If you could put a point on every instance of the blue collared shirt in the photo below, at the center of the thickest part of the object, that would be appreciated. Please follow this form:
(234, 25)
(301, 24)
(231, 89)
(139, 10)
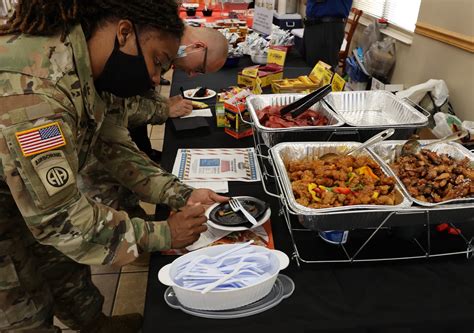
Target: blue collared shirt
(331, 8)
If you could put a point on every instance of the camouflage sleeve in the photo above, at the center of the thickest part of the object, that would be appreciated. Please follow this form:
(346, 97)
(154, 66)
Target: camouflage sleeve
(150, 109)
(131, 167)
(42, 180)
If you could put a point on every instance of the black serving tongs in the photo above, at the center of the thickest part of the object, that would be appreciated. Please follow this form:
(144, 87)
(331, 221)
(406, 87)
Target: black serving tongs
(301, 105)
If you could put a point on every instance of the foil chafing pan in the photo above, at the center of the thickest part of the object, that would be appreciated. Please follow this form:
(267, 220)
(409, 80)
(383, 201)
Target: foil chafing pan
(375, 108)
(272, 136)
(367, 113)
(389, 151)
(282, 153)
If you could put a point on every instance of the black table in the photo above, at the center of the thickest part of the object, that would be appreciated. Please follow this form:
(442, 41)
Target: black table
(435, 295)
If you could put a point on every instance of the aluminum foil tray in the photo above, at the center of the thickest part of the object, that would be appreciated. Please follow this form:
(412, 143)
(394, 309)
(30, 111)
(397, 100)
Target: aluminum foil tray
(284, 152)
(388, 151)
(375, 108)
(272, 136)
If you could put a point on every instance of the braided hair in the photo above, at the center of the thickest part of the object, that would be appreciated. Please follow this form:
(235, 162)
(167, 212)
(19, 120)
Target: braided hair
(51, 17)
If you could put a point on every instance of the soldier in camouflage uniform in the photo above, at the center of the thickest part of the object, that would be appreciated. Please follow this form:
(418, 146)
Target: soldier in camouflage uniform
(51, 120)
(204, 51)
(102, 186)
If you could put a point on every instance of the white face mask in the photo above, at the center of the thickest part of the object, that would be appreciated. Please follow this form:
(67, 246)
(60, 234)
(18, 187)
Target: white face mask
(182, 51)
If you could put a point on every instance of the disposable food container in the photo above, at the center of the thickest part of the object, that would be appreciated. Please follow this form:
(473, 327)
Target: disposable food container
(375, 108)
(222, 299)
(272, 136)
(389, 151)
(345, 217)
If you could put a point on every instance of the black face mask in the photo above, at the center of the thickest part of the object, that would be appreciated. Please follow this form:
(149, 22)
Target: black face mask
(125, 75)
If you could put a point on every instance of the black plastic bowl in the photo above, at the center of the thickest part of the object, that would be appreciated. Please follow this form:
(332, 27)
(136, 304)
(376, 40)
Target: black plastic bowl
(207, 12)
(191, 11)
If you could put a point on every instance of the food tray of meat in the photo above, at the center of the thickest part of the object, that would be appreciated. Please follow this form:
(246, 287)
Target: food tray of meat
(314, 186)
(440, 174)
(317, 123)
(375, 108)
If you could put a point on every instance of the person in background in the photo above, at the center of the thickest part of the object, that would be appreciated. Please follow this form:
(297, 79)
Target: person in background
(202, 50)
(324, 30)
(55, 59)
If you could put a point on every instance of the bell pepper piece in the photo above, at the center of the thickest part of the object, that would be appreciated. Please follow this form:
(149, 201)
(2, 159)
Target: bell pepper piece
(342, 190)
(312, 187)
(365, 170)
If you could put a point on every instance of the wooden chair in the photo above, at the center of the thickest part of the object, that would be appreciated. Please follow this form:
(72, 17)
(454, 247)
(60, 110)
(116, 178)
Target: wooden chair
(350, 28)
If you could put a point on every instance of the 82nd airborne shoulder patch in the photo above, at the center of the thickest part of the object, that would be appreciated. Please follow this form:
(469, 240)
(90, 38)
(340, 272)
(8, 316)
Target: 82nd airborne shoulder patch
(54, 171)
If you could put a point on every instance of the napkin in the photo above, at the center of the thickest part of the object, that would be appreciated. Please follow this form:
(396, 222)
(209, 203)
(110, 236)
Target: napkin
(186, 124)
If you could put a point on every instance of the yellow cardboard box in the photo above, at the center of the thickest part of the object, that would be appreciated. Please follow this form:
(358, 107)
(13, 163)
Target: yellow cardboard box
(321, 75)
(268, 73)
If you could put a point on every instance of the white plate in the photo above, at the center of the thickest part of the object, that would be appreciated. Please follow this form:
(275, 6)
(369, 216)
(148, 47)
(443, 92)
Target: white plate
(264, 219)
(189, 93)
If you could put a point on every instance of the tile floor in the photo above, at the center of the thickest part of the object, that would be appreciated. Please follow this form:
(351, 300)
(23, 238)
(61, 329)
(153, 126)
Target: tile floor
(124, 288)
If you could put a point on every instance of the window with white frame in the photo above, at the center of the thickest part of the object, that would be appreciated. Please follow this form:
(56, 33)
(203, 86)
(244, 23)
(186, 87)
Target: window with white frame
(402, 13)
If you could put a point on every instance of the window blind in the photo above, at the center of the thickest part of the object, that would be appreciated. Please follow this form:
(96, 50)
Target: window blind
(402, 13)
(371, 7)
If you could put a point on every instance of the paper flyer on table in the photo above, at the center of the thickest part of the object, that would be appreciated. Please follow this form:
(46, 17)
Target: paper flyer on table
(262, 236)
(218, 187)
(216, 165)
(199, 113)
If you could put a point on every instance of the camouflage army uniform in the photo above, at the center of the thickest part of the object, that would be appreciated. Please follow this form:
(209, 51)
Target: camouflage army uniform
(47, 92)
(97, 183)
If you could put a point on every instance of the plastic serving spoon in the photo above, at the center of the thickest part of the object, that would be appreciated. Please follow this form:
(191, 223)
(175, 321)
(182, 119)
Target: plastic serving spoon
(373, 140)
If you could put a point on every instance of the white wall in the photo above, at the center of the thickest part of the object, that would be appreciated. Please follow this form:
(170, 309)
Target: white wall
(429, 59)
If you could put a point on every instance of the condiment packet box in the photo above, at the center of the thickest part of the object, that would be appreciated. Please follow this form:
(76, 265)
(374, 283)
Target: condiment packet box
(319, 76)
(235, 108)
(268, 73)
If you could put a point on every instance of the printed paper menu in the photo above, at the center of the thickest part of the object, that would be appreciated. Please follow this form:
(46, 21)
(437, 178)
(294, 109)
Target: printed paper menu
(216, 165)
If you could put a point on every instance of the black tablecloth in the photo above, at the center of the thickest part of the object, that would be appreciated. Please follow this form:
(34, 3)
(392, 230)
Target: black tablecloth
(434, 295)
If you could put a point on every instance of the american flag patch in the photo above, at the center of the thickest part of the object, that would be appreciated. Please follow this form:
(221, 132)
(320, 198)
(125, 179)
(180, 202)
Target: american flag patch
(40, 139)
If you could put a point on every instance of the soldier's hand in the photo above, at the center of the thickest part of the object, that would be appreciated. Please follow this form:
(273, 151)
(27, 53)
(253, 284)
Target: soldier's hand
(186, 226)
(206, 197)
(180, 107)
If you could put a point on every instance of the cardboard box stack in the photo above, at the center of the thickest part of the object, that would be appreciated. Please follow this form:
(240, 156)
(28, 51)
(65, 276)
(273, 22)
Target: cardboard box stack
(272, 71)
(321, 75)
